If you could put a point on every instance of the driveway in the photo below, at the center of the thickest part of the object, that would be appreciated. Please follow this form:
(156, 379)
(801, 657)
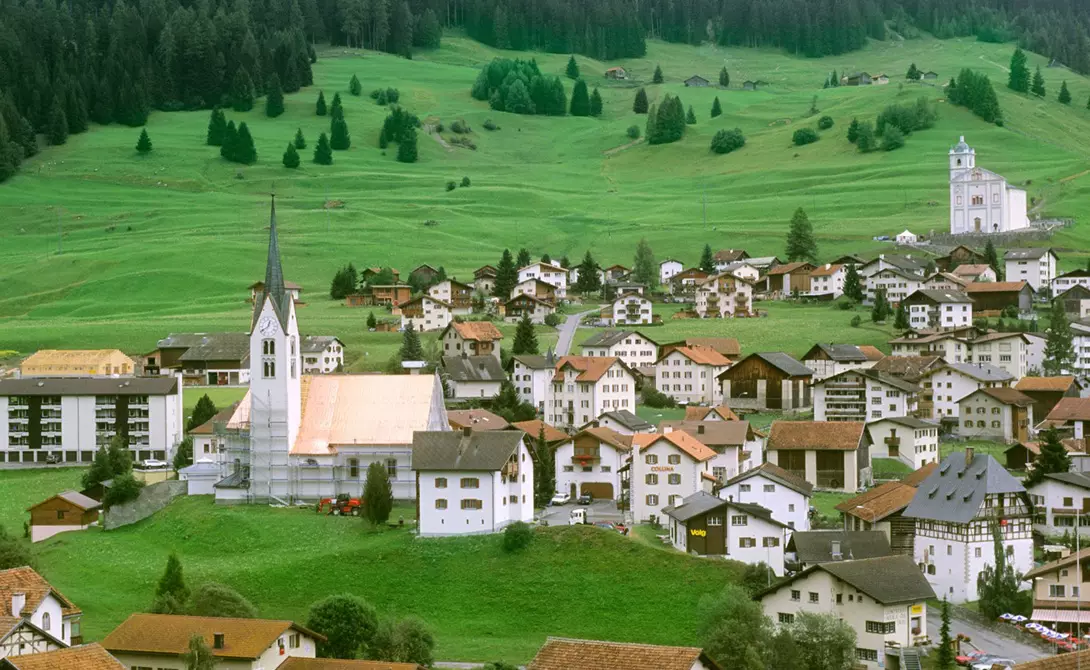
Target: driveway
(567, 331)
(599, 510)
(986, 639)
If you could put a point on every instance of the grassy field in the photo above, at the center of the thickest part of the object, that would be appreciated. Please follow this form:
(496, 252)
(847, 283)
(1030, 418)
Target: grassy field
(19, 489)
(169, 241)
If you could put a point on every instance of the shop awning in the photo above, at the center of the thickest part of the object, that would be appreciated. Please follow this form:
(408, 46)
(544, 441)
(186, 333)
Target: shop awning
(1061, 616)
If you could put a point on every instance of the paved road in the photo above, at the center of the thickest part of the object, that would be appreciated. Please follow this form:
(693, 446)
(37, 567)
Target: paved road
(599, 510)
(985, 639)
(567, 331)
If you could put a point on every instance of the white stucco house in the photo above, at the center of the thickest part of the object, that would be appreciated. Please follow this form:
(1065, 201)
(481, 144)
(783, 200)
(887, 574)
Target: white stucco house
(982, 201)
(912, 441)
(633, 347)
(585, 387)
(532, 375)
(591, 461)
(688, 374)
(426, 313)
(897, 284)
(1035, 266)
(706, 525)
(322, 354)
(863, 395)
(548, 273)
(666, 469)
(1061, 504)
(26, 595)
(786, 495)
(945, 386)
(630, 309)
(668, 268)
(827, 281)
(939, 310)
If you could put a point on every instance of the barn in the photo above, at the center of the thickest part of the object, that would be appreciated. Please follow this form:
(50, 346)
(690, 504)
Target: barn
(767, 381)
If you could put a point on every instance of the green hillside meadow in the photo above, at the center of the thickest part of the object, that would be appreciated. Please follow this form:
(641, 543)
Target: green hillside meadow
(169, 241)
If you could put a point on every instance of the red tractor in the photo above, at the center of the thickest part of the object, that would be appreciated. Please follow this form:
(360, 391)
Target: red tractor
(342, 505)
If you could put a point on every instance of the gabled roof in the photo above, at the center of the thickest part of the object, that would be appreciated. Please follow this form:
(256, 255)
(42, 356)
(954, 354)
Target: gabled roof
(879, 502)
(701, 355)
(608, 338)
(697, 413)
(524, 297)
(996, 287)
(1027, 254)
(477, 331)
(688, 444)
(464, 368)
(730, 255)
(702, 502)
(477, 419)
(970, 269)
(536, 362)
(422, 297)
(566, 654)
(938, 296)
(777, 474)
(879, 377)
(728, 346)
(1080, 272)
(591, 368)
(788, 268)
(1053, 566)
(909, 368)
(713, 433)
(906, 421)
(209, 427)
(1079, 479)
(316, 344)
(816, 546)
(628, 420)
(816, 435)
(1070, 409)
(917, 477)
(1074, 292)
(303, 663)
(484, 451)
(608, 436)
(27, 581)
(984, 372)
(841, 353)
(897, 272)
(83, 657)
(1007, 396)
(219, 347)
(955, 492)
(533, 429)
(169, 634)
(872, 353)
(912, 264)
(889, 580)
(785, 363)
(74, 498)
(826, 270)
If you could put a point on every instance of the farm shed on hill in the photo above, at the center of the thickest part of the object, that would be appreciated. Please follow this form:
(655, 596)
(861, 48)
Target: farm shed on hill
(616, 73)
(697, 80)
(65, 511)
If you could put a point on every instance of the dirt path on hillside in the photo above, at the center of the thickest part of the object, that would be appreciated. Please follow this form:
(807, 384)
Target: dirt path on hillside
(616, 150)
(430, 130)
(1074, 177)
(1001, 67)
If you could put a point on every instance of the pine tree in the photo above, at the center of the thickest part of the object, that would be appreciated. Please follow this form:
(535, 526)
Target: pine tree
(1052, 459)
(834, 80)
(523, 258)
(853, 285)
(913, 73)
(580, 100)
(291, 157)
(354, 86)
(657, 78)
(717, 109)
(406, 147)
(992, 257)
(544, 469)
(724, 78)
(143, 145)
(589, 281)
(507, 276)
(595, 103)
(900, 317)
(217, 127)
(245, 152)
(1038, 87)
(640, 104)
(323, 153)
(644, 268)
(274, 97)
(242, 92)
(690, 117)
(525, 338)
(378, 495)
(1059, 344)
(945, 654)
(172, 582)
(230, 141)
(1065, 95)
(1019, 72)
(853, 130)
(372, 322)
(707, 260)
(573, 68)
(300, 142)
(800, 238)
(336, 110)
(76, 109)
(880, 310)
(339, 139)
(319, 107)
(58, 124)
(410, 350)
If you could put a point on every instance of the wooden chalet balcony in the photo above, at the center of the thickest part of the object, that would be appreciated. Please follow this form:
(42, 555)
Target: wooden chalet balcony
(584, 457)
(893, 442)
(511, 469)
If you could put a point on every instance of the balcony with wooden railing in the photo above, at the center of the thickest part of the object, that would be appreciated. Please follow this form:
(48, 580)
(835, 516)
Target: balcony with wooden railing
(586, 456)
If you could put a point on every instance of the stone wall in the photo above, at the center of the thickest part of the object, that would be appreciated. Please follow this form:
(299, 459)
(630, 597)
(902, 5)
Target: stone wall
(152, 499)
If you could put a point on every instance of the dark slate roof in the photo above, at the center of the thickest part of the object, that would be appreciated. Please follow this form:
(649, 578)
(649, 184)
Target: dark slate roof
(914, 264)
(702, 502)
(785, 363)
(39, 386)
(908, 422)
(239, 479)
(775, 473)
(607, 338)
(454, 450)
(209, 346)
(628, 420)
(1025, 254)
(939, 296)
(887, 579)
(816, 546)
(955, 491)
(1074, 478)
(535, 362)
(473, 368)
(316, 344)
(845, 353)
(880, 377)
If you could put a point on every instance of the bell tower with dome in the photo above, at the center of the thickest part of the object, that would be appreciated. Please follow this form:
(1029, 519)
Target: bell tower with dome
(981, 201)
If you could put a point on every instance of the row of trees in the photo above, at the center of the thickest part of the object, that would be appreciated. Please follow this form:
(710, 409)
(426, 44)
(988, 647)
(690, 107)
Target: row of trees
(974, 91)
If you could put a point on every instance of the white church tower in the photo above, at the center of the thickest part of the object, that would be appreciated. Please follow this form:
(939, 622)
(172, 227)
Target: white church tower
(981, 201)
(275, 380)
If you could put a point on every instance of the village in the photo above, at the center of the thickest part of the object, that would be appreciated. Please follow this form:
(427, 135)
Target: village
(872, 484)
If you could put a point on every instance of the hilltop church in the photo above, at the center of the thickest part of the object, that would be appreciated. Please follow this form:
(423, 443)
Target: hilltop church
(297, 437)
(981, 201)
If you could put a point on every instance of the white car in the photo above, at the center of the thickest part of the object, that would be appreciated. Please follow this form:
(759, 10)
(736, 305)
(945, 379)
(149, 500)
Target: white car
(153, 464)
(561, 499)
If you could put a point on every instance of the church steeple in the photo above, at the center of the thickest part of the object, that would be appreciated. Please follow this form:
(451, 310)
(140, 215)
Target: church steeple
(274, 275)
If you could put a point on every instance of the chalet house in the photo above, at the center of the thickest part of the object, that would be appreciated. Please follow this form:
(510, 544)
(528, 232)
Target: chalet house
(367, 273)
(863, 395)
(1076, 301)
(66, 511)
(896, 283)
(1022, 455)
(909, 368)
(685, 282)
(929, 75)
(469, 377)
(765, 263)
(809, 548)
(423, 275)
(616, 73)
(634, 348)
(943, 281)
(621, 287)
(258, 287)
(532, 375)
(725, 257)
(907, 263)
(668, 268)
(565, 654)
(939, 310)
(477, 419)
(476, 338)
(948, 346)
(997, 296)
(484, 279)
(880, 80)
(831, 456)
(25, 596)
(159, 640)
(912, 441)
(630, 309)
(212, 359)
(1006, 351)
(548, 273)
(84, 657)
(789, 279)
(77, 363)
(322, 354)
(957, 509)
(749, 85)
(728, 346)
(743, 270)
(583, 388)
(960, 255)
(884, 600)
(624, 422)
(706, 525)
(767, 381)
(1072, 414)
(827, 281)
(665, 469)
(881, 509)
(724, 295)
(536, 288)
(1080, 277)
(776, 489)
(1057, 601)
(1037, 267)
(472, 482)
(737, 445)
(996, 414)
(459, 295)
(591, 461)
(944, 387)
(1047, 392)
(425, 313)
(690, 374)
(856, 79)
(697, 80)
(527, 305)
(976, 272)
(1061, 503)
(390, 295)
(831, 359)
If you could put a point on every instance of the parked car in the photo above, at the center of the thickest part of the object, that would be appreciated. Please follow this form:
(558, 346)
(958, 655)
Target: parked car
(561, 499)
(991, 662)
(153, 464)
(969, 657)
(578, 517)
(585, 499)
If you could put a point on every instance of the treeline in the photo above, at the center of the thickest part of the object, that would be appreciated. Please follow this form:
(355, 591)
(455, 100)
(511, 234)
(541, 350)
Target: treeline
(603, 29)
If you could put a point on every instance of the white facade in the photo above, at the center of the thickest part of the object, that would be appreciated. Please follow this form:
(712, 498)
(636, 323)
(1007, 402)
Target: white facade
(287, 645)
(532, 382)
(854, 396)
(942, 315)
(668, 268)
(575, 398)
(606, 469)
(981, 201)
(723, 295)
(913, 445)
(661, 475)
(550, 274)
(432, 315)
(948, 385)
(1065, 281)
(787, 505)
(828, 280)
(689, 381)
(749, 538)
(631, 309)
(898, 285)
(325, 361)
(1037, 272)
(1057, 504)
(634, 350)
(1006, 351)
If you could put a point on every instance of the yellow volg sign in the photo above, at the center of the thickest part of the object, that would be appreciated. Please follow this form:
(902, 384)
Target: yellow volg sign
(917, 609)
(699, 532)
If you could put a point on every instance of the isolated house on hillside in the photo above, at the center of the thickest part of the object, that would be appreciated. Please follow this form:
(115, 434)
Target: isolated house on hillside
(697, 80)
(616, 73)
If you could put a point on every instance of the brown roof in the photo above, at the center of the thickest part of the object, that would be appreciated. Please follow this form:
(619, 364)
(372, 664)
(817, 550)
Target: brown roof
(1070, 409)
(730, 255)
(1072, 661)
(702, 413)
(817, 435)
(696, 449)
(728, 346)
(787, 268)
(773, 471)
(610, 437)
(84, 657)
(702, 355)
(825, 270)
(208, 427)
(532, 428)
(908, 368)
(994, 286)
(713, 433)
(170, 633)
(1044, 383)
(974, 269)
(591, 368)
(25, 580)
(1008, 396)
(916, 478)
(565, 654)
(1058, 563)
(872, 353)
(480, 331)
(477, 419)
(879, 502)
(300, 663)
(74, 498)
(1070, 445)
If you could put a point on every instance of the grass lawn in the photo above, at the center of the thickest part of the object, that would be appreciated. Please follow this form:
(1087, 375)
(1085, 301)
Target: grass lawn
(889, 468)
(657, 415)
(825, 503)
(20, 489)
(221, 396)
(994, 449)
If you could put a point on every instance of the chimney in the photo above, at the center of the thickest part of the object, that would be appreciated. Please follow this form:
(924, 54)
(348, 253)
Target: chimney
(217, 640)
(18, 601)
(835, 550)
(700, 429)
(968, 455)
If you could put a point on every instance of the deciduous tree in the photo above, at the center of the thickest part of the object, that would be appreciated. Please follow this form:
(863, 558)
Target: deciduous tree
(198, 656)
(212, 599)
(347, 622)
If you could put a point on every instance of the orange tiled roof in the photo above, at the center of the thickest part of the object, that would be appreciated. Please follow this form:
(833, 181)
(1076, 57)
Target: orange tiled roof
(84, 657)
(916, 478)
(300, 663)
(170, 634)
(533, 429)
(477, 419)
(703, 355)
(696, 449)
(787, 268)
(1070, 409)
(702, 413)
(479, 331)
(566, 654)
(611, 437)
(27, 581)
(825, 270)
(879, 502)
(872, 353)
(816, 435)
(591, 368)
(1044, 383)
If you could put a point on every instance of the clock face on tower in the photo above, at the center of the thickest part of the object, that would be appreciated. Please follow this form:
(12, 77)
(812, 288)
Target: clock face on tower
(267, 325)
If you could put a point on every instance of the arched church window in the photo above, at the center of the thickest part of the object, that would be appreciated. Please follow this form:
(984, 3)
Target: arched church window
(959, 162)
(269, 370)
(268, 347)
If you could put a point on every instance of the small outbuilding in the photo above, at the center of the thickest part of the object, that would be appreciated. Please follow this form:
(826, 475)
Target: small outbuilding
(63, 512)
(697, 80)
(201, 477)
(907, 237)
(616, 73)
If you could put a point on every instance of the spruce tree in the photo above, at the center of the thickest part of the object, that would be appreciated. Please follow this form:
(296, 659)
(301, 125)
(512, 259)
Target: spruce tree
(544, 469)
(411, 349)
(323, 153)
(945, 654)
(172, 585)
(230, 141)
(573, 68)
(880, 310)
(589, 281)
(900, 317)
(525, 338)
(242, 92)
(992, 257)
(523, 258)
(372, 322)
(354, 86)
(319, 107)
(143, 145)
(1052, 459)
(707, 260)
(274, 97)
(339, 139)
(690, 117)
(406, 147)
(336, 110)
(1059, 344)
(291, 157)
(657, 78)
(300, 142)
(245, 152)
(853, 130)
(57, 129)
(853, 284)
(580, 100)
(1065, 95)
(800, 238)
(913, 73)
(640, 104)
(595, 103)
(717, 109)
(378, 495)
(1038, 87)
(76, 109)
(644, 267)
(506, 276)
(1019, 72)
(724, 78)
(217, 127)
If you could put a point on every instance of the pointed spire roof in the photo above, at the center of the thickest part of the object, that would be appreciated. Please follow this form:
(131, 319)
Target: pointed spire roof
(274, 277)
